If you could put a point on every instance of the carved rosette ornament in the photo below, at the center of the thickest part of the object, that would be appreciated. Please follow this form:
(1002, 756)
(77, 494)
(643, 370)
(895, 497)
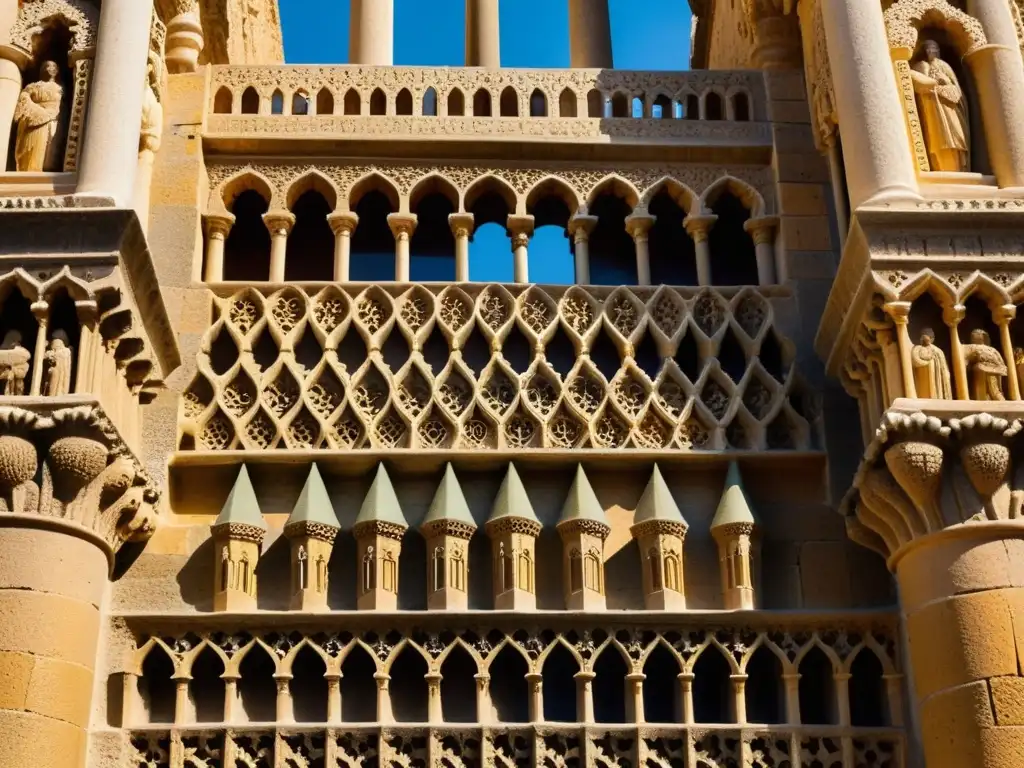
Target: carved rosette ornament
(922, 474)
(72, 465)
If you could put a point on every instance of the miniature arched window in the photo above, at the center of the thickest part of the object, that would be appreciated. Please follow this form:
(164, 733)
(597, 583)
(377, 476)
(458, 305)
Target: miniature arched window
(490, 251)
(612, 251)
(457, 569)
(432, 246)
(661, 687)
(550, 255)
(817, 689)
(509, 102)
(257, 690)
(368, 582)
(60, 365)
(250, 101)
(373, 244)
(733, 254)
(18, 331)
(673, 255)
(206, 688)
(765, 693)
(430, 103)
(538, 104)
(636, 107)
(403, 102)
(458, 687)
(277, 103)
(575, 571)
(609, 687)
(310, 250)
(506, 569)
(712, 688)
(300, 103)
(692, 107)
(156, 687)
(324, 102)
(559, 685)
(592, 572)
(378, 102)
(662, 107)
(482, 103)
(437, 570)
(359, 704)
(869, 702)
(389, 573)
(567, 103)
(223, 101)
(741, 107)
(595, 103)
(673, 569)
(713, 109)
(525, 572)
(308, 687)
(247, 248)
(302, 567)
(654, 563)
(620, 105)
(456, 103)
(409, 687)
(353, 102)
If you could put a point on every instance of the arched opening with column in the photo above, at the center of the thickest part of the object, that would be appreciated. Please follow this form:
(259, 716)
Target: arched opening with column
(206, 688)
(612, 251)
(18, 327)
(482, 103)
(458, 687)
(250, 101)
(508, 686)
(308, 686)
(247, 247)
(456, 103)
(310, 253)
(156, 686)
(673, 255)
(490, 200)
(432, 247)
(551, 256)
(733, 253)
(372, 258)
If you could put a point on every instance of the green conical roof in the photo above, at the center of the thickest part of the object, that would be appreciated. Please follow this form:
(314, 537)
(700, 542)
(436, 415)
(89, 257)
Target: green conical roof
(657, 502)
(733, 507)
(314, 505)
(512, 500)
(381, 503)
(449, 502)
(582, 503)
(241, 505)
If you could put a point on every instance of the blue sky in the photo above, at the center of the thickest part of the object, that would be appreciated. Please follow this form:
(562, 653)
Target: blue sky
(534, 33)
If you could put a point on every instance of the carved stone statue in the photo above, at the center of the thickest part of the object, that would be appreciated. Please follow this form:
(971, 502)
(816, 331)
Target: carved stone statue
(152, 116)
(931, 371)
(57, 380)
(39, 146)
(985, 366)
(943, 108)
(14, 360)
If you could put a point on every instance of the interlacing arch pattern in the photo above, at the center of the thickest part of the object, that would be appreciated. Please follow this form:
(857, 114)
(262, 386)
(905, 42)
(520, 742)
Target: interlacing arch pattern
(695, 184)
(494, 367)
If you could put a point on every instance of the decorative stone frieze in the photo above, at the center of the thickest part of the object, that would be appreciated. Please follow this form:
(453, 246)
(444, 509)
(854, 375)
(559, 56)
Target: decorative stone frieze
(70, 466)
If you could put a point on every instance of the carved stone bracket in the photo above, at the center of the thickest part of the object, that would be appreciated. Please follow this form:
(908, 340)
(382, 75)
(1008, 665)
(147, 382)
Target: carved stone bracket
(70, 464)
(925, 472)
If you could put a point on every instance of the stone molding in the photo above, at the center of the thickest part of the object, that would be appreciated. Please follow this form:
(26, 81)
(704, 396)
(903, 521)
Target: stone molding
(70, 464)
(934, 468)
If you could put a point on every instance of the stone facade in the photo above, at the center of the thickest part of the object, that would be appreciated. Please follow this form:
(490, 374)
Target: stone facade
(728, 473)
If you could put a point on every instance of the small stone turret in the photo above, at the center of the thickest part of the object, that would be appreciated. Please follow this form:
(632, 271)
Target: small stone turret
(659, 530)
(583, 528)
(378, 531)
(513, 528)
(733, 527)
(237, 535)
(311, 529)
(448, 528)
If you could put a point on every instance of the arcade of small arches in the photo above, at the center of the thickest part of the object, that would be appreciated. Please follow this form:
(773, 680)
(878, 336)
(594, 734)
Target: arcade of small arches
(683, 677)
(440, 231)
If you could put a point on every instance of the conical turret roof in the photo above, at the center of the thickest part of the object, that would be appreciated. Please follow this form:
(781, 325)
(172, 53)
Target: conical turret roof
(381, 503)
(314, 504)
(582, 503)
(657, 502)
(449, 502)
(241, 505)
(733, 507)
(512, 500)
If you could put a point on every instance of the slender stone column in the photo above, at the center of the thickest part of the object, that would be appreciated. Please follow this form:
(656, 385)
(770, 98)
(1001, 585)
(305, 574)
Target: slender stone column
(739, 696)
(218, 227)
(41, 311)
(792, 683)
(402, 226)
(1002, 317)
(899, 311)
(585, 696)
(639, 225)
(520, 229)
(536, 682)
(10, 90)
(686, 694)
(952, 317)
(635, 697)
(590, 34)
(112, 128)
(462, 228)
(435, 714)
(280, 224)
(343, 224)
(333, 697)
(698, 228)
(484, 711)
(879, 164)
(762, 230)
(372, 32)
(483, 35)
(383, 681)
(580, 227)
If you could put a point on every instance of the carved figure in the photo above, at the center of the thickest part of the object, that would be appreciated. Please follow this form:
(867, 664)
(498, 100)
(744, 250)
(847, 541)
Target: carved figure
(58, 366)
(985, 366)
(38, 146)
(14, 360)
(943, 108)
(152, 115)
(931, 371)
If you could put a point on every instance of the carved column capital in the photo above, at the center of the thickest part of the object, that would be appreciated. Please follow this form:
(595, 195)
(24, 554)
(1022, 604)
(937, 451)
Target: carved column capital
(698, 226)
(899, 311)
(762, 229)
(462, 224)
(1004, 314)
(279, 222)
(639, 224)
(520, 225)
(218, 224)
(343, 222)
(402, 225)
(954, 314)
(581, 225)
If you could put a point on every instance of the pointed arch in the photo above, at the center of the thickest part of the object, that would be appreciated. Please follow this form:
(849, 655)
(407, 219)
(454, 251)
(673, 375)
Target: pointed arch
(324, 101)
(749, 196)
(510, 692)
(490, 184)
(610, 668)
(567, 103)
(456, 103)
(257, 689)
(553, 186)
(458, 686)
(81, 17)
(904, 21)
(353, 102)
(313, 180)
(403, 102)
(206, 688)
(156, 687)
(538, 103)
(224, 101)
(558, 670)
(359, 704)
(229, 190)
(408, 685)
(482, 103)
(378, 102)
(712, 103)
(508, 103)
(683, 196)
(616, 186)
(431, 184)
(373, 182)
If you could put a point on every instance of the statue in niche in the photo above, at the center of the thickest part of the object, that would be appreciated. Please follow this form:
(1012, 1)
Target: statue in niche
(57, 380)
(931, 371)
(943, 107)
(985, 366)
(38, 146)
(14, 359)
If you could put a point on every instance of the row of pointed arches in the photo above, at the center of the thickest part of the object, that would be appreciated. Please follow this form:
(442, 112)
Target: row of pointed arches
(438, 233)
(821, 691)
(712, 104)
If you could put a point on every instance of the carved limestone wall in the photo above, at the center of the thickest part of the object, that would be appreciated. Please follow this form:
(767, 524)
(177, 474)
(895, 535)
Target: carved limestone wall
(477, 366)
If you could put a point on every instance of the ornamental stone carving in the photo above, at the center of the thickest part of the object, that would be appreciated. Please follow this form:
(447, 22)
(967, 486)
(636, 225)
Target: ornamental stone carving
(942, 104)
(80, 16)
(39, 145)
(905, 18)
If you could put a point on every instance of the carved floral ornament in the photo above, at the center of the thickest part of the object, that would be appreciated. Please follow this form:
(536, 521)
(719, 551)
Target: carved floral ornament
(921, 475)
(72, 465)
(80, 16)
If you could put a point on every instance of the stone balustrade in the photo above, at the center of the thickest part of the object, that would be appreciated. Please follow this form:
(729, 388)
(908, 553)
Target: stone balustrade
(574, 105)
